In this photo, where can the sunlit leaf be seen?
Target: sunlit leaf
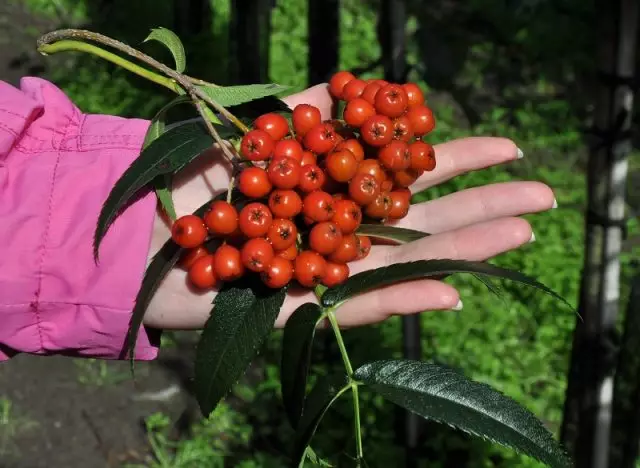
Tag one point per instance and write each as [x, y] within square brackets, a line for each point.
[173, 43]
[397, 234]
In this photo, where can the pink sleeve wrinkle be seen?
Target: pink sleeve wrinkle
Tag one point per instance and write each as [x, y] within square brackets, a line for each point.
[57, 167]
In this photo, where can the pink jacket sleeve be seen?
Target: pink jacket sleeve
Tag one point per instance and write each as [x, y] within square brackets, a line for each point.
[57, 166]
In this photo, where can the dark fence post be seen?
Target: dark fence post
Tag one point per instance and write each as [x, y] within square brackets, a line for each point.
[324, 39]
[625, 415]
[249, 42]
[587, 418]
[392, 36]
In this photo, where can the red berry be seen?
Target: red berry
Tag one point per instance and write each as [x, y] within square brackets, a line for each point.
[406, 178]
[227, 263]
[254, 220]
[336, 273]
[308, 158]
[377, 130]
[395, 156]
[370, 92]
[380, 207]
[309, 268]
[338, 81]
[353, 89]
[422, 120]
[341, 165]
[257, 253]
[415, 97]
[191, 255]
[257, 145]
[311, 178]
[423, 157]
[364, 247]
[346, 251]
[282, 233]
[284, 173]
[274, 124]
[290, 253]
[363, 189]
[352, 145]
[357, 111]
[285, 203]
[305, 117]
[372, 167]
[202, 274]
[288, 148]
[318, 206]
[254, 182]
[325, 237]
[221, 219]
[402, 129]
[277, 273]
[400, 201]
[391, 100]
[347, 215]
[321, 138]
[189, 231]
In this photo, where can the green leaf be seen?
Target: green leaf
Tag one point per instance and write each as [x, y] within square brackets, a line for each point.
[312, 456]
[166, 155]
[162, 186]
[326, 391]
[443, 395]
[400, 235]
[160, 265]
[228, 96]
[156, 128]
[173, 43]
[371, 279]
[241, 319]
[297, 340]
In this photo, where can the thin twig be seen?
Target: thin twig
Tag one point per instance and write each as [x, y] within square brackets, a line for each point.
[216, 136]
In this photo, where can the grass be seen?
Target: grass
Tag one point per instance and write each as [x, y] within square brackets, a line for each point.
[12, 425]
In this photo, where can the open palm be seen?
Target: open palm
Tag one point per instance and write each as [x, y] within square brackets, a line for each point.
[473, 224]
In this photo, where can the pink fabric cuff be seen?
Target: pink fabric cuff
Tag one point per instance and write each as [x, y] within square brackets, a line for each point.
[57, 167]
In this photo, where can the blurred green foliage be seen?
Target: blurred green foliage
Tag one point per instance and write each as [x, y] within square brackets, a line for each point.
[514, 69]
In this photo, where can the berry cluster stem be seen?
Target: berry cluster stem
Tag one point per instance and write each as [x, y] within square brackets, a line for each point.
[354, 385]
[72, 39]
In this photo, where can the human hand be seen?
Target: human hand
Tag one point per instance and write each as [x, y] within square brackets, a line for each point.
[473, 224]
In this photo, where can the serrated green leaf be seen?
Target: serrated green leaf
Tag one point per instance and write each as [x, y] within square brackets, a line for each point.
[297, 340]
[162, 186]
[241, 319]
[160, 265]
[324, 393]
[173, 43]
[397, 234]
[228, 96]
[440, 394]
[312, 456]
[372, 279]
[166, 155]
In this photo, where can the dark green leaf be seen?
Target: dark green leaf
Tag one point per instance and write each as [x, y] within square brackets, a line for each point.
[249, 111]
[156, 128]
[160, 265]
[443, 395]
[371, 279]
[297, 340]
[166, 155]
[400, 235]
[241, 319]
[312, 456]
[162, 186]
[228, 96]
[173, 43]
[324, 393]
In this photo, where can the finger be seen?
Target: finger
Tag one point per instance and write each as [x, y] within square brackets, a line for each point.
[465, 155]
[477, 205]
[318, 96]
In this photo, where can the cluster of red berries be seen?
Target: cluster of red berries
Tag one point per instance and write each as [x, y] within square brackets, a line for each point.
[309, 188]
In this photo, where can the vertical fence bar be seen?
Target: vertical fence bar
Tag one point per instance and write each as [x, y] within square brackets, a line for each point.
[250, 38]
[324, 39]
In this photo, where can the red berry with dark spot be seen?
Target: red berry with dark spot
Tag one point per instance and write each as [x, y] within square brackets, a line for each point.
[257, 253]
[282, 233]
[423, 157]
[221, 219]
[347, 215]
[377, 130]
[318, 206]
[311, 178]
[285, 203]
[380, 207]
[254, 220]
[341, 165]
[284, 173]
[364, 247]
[278, 273]
[346, 251]
[254, 182]
[352, 145]
[395, 156]
[189, 231]
[363, 189]
[325, 237]
[257, 145]
[274, 124]
[402, 129]
[309, 268]
[321, 138]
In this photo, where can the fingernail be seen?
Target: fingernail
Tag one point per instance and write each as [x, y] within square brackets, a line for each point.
[533, 238]
[458, 306]
[520, 154]
[555, 204]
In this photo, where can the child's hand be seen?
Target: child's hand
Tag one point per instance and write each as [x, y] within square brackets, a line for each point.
[473, 224]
